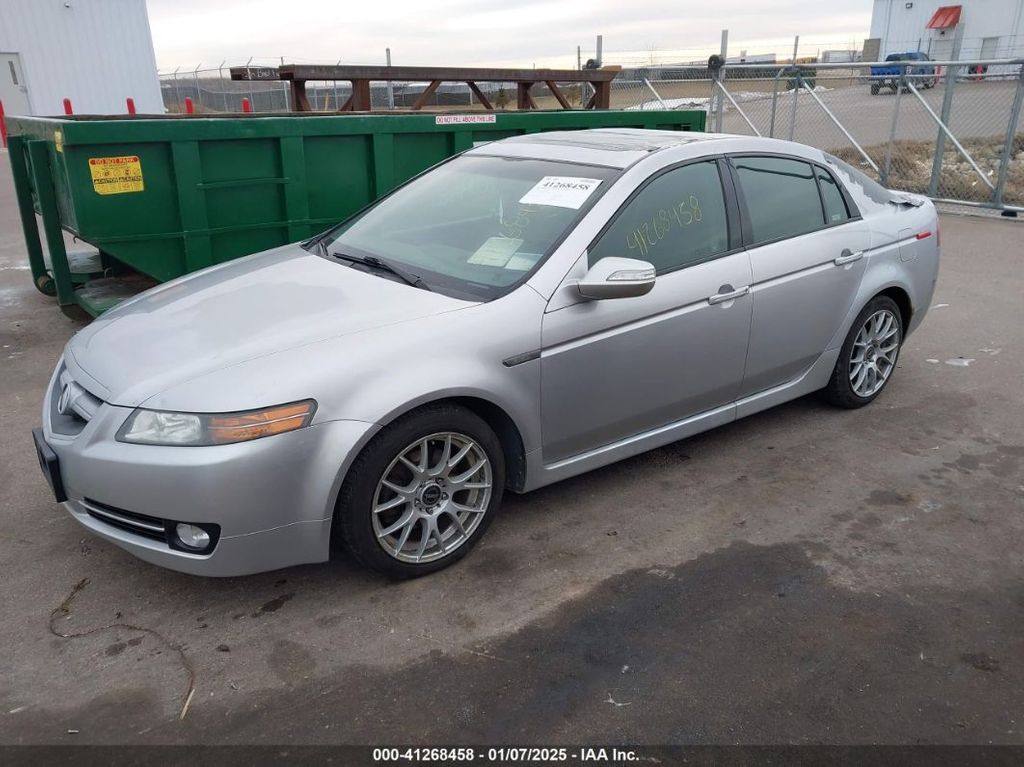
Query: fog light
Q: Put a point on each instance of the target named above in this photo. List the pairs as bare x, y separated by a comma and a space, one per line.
192, 537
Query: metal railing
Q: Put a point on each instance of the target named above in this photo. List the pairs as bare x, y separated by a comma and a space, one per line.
212, 90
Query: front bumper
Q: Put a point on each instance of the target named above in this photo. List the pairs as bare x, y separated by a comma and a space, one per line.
272, 498
291, 544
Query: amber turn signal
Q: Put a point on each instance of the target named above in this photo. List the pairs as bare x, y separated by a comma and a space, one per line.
259, 423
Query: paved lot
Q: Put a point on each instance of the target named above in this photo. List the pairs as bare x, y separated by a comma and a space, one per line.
805, 575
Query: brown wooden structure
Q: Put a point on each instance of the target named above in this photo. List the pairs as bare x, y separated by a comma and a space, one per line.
362, 76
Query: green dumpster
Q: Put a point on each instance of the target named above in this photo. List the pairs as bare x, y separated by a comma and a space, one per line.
158, 197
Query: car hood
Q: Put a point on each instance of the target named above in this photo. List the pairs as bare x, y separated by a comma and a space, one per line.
253, 307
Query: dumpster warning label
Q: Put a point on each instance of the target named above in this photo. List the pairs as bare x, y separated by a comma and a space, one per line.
464, 119
116, 175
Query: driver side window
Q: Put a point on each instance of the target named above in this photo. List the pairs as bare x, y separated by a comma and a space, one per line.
675, 221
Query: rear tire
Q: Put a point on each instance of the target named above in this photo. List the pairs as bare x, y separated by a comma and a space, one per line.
412, 502
868, 356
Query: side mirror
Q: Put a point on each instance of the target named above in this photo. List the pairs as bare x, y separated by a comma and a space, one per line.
615, 277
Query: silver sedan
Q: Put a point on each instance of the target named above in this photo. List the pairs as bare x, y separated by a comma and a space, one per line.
532, 309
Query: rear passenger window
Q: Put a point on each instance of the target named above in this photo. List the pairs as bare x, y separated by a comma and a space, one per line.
678, 219
781, 195
832, 197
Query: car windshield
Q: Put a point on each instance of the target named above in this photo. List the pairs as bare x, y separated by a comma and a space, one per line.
474, 227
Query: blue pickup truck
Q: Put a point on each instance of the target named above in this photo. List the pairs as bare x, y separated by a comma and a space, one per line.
912, 63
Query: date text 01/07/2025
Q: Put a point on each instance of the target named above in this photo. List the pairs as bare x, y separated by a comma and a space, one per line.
505, 754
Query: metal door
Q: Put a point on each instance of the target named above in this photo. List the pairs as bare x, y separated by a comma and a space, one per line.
805, 275
616, 368
13, 92
802, 291
941, 49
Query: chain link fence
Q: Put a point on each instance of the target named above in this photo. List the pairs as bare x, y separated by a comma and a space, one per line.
951, 130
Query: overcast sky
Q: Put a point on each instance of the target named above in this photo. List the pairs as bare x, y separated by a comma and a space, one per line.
187, 33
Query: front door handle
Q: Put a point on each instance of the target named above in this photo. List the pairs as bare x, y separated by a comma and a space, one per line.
848, 257
721, 298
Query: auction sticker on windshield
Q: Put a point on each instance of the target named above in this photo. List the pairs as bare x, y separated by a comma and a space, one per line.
561, 191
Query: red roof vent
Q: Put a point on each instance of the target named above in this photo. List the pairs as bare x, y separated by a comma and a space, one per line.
946, 17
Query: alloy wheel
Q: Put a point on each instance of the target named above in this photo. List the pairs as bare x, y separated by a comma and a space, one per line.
874, 353
432, 497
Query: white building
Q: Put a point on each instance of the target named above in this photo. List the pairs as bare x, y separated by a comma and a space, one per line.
989, 28
95, 52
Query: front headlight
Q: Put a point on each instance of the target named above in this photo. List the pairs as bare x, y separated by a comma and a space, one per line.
160, 427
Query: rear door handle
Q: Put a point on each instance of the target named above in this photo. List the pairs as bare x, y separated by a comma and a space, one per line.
848, 257
721, 298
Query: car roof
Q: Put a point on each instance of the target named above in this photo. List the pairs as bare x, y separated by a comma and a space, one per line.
621, 147
610, 147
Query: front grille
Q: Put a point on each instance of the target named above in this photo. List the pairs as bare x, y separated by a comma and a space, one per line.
71, 406
81, 403
140, 524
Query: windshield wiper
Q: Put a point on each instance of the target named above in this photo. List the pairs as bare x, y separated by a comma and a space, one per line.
375, 263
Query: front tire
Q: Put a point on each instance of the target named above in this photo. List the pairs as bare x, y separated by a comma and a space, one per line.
422, 492
868, 357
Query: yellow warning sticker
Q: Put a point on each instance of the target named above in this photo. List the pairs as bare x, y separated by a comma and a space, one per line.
116, 175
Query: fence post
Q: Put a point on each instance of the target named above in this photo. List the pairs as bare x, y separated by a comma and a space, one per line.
775, 101
579, 68
798, 84
248, 76
1011, 134
901, 84
947, 107
391, 85
719, 76
195, 79
223, 88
